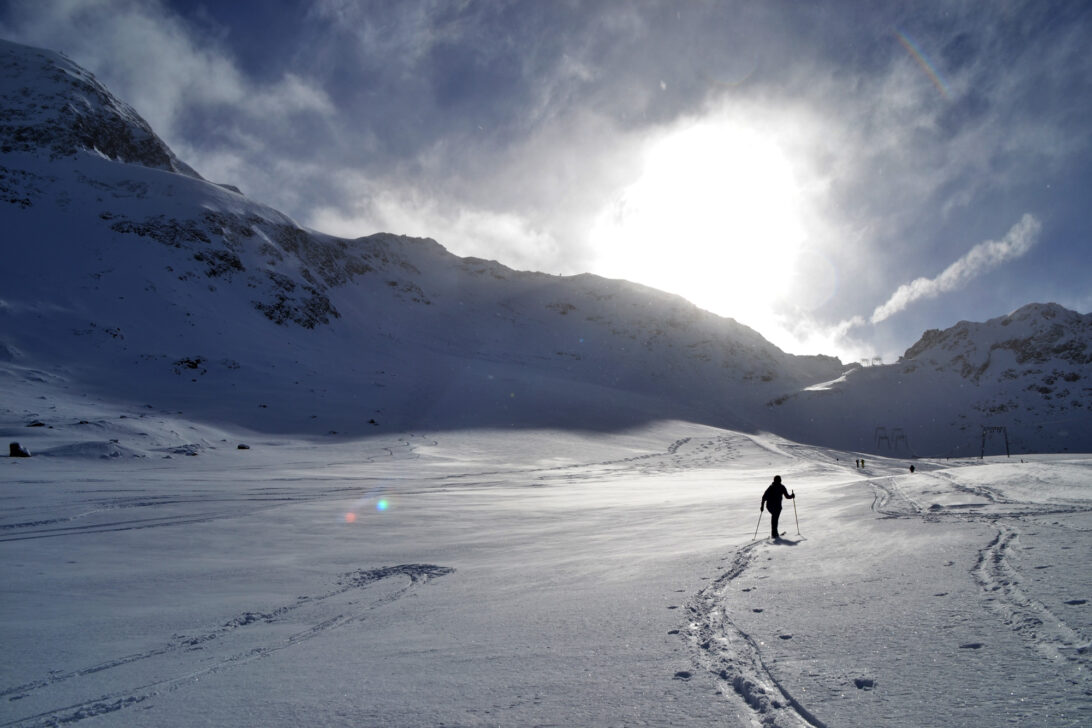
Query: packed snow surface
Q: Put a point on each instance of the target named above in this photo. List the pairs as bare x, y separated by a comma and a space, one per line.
533, 577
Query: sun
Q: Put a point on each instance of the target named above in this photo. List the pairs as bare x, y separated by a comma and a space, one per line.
716, 216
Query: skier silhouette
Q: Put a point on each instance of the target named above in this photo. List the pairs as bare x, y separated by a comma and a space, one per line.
771, 500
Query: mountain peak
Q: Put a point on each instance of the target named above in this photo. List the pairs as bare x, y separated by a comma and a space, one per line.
1039, 312
1036, 331
49, 104
183, 294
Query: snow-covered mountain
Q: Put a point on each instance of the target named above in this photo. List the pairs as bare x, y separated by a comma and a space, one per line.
133, 277
1024, 379
129, 278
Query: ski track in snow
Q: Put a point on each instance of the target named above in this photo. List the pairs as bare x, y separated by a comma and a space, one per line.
246, 637
717, 645
722, 649
1004, 587
1029, 617
255, 634
100, 520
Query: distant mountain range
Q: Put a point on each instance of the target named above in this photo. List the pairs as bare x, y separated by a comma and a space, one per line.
127, 277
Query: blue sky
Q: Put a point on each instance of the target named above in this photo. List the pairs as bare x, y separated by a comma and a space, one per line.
840, 176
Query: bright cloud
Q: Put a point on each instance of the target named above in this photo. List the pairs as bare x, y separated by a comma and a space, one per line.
716, 150
716, 215
981, 258
472, 232
157, 64
803, 334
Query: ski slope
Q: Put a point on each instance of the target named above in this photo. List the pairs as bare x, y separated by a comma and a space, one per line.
514, 578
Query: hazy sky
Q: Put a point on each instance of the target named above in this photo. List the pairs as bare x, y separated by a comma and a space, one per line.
840, 176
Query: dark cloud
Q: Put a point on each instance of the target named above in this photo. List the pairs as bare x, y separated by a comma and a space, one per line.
959, 52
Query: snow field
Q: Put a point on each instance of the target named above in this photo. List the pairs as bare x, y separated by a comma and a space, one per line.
533, 578
930, 619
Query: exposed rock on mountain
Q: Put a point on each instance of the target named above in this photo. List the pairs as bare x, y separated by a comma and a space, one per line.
131, 262
48, 103
1029, 372
129, 277
1033, 335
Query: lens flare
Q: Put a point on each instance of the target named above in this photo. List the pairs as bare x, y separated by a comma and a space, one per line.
362, 505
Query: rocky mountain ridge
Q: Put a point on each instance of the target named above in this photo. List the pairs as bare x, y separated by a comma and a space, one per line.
1033, 335
130, 278
1026, 375
49, 103
131, 263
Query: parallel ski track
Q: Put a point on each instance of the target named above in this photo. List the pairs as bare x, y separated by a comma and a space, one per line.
242, 639
996, 574
248, 641
732, 657
213, 507
1030, 618
683, 453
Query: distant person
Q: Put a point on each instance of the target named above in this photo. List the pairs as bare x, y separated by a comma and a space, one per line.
771, 501
911, 468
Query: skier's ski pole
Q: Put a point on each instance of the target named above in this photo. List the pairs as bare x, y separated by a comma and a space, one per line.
757, 525
793, 514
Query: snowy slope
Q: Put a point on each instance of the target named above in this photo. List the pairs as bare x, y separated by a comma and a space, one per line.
1024, 378
542, 578
138, 280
